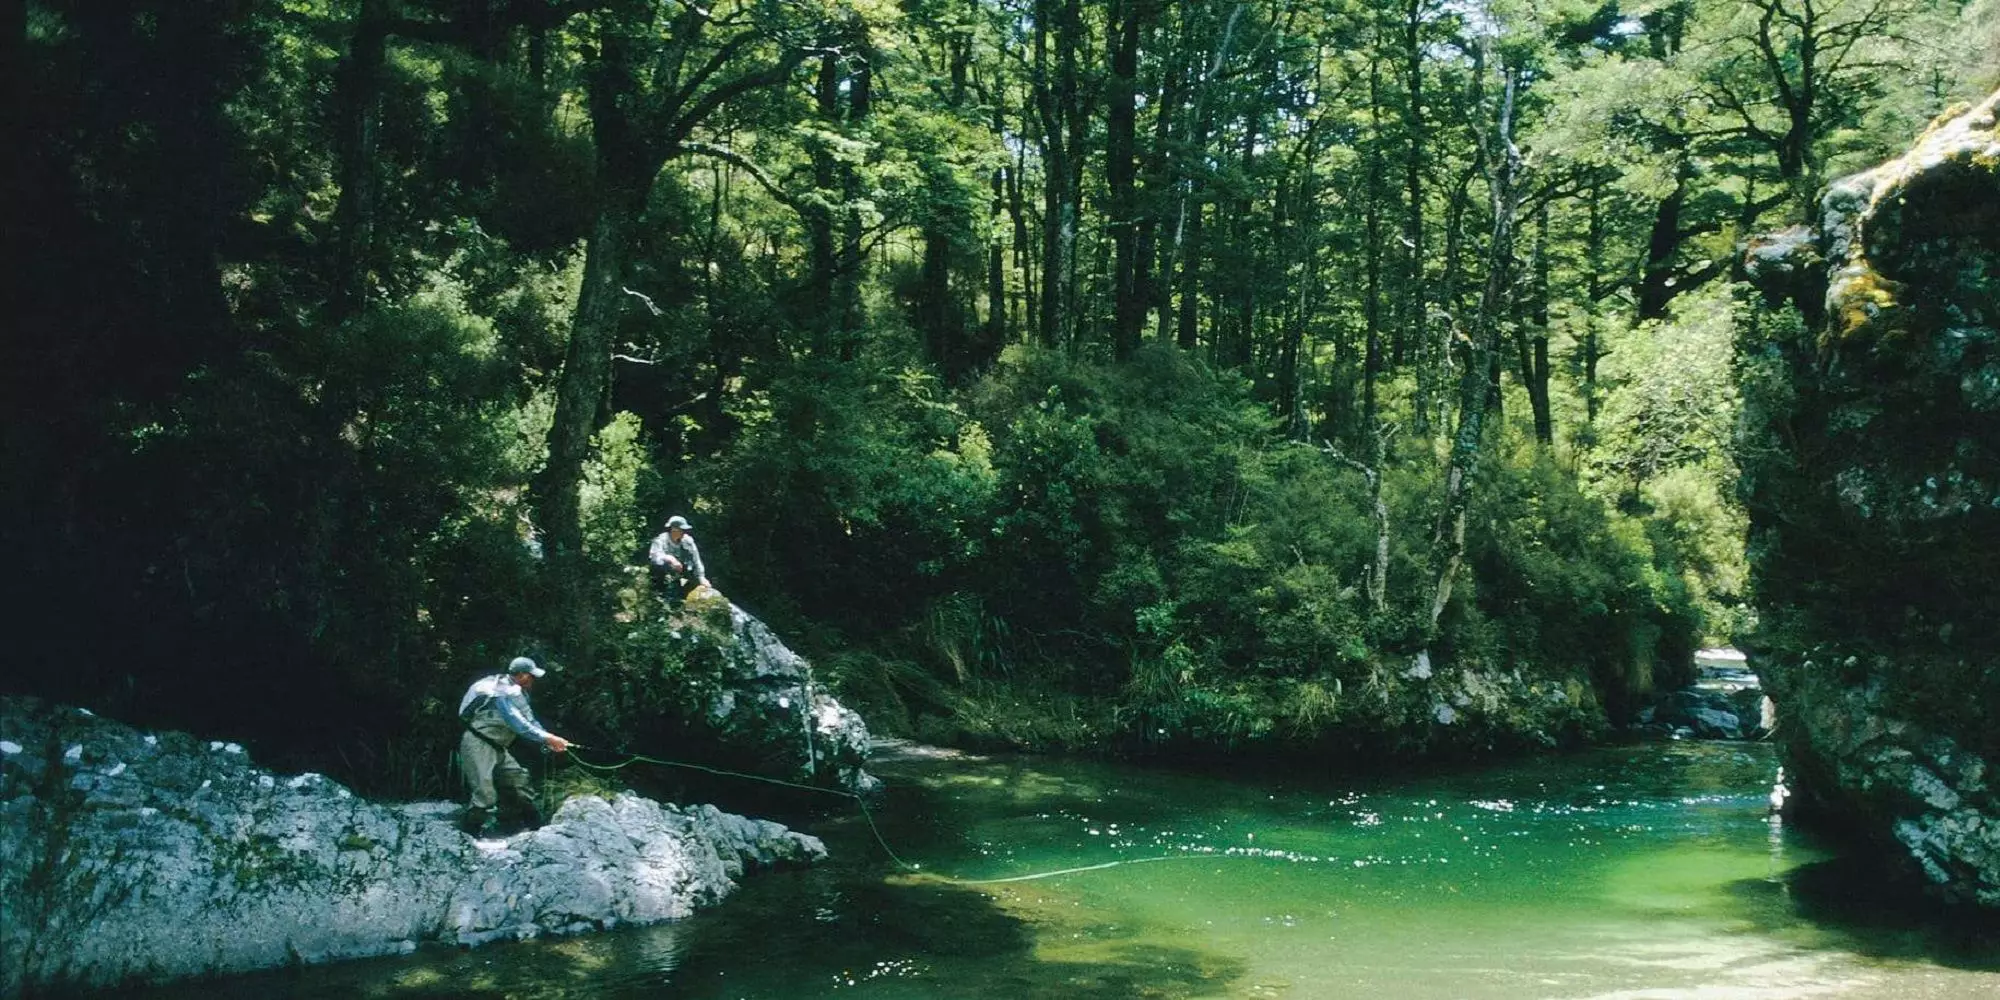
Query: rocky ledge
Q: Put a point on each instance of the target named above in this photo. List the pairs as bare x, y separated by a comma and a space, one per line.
1871, 469
128, 856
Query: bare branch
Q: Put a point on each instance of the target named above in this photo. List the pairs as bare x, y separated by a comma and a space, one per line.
643, 297
748, 166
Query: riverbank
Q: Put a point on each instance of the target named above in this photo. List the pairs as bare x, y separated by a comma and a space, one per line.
129, 856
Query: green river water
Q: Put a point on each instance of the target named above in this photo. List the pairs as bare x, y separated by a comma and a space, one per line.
1643, 871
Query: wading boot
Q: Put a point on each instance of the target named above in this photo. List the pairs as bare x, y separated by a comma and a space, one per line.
478, 822
518, 813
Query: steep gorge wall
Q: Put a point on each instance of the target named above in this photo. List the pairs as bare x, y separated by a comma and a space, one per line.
1871, 461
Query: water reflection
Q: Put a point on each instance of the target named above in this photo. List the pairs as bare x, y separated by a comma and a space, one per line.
1653, 871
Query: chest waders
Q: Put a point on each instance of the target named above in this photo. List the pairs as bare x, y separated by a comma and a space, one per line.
499, 785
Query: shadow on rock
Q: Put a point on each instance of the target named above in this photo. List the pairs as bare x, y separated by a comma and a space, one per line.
1877, 915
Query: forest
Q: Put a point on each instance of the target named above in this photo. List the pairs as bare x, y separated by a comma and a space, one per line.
1127, 375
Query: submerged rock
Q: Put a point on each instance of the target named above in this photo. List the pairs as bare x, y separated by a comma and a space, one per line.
133, 856
1871, 468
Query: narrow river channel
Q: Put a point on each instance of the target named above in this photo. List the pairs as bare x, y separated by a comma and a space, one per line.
1642, 871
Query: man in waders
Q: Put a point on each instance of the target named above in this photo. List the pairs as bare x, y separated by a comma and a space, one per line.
677, 569
495, 712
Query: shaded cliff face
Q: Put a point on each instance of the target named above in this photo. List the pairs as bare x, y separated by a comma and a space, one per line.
1871, 460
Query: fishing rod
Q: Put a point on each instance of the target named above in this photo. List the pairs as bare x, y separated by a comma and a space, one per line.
632, 758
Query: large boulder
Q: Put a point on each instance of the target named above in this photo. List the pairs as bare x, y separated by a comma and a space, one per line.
1871, 459
135, 856
769, 702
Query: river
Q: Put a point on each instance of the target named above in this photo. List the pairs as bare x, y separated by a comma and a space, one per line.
1644, 871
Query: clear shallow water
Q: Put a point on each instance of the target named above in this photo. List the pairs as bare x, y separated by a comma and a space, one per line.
1649, 871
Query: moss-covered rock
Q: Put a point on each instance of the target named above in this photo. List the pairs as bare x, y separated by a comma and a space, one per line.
1871, 460
709, 684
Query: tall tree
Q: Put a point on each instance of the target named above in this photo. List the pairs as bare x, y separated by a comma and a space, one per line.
1502, 162
656, 78
1127, 21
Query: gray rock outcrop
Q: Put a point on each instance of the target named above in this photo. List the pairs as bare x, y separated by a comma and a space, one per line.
1871, 469
710, 685
769, 707
133, 856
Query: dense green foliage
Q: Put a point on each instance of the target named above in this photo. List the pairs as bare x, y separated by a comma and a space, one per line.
1038, 367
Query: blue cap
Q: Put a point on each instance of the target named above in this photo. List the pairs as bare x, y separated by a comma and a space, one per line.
523, 665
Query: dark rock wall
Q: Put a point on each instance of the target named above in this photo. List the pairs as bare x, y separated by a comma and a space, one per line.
1871, 460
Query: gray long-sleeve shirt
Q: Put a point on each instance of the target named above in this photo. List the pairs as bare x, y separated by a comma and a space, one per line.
495, 707
684, 551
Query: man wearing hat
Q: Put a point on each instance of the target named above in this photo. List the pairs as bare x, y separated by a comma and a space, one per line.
677, 568
495, 712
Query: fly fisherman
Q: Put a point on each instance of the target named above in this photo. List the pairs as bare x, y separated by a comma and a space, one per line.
677, 569
495, 712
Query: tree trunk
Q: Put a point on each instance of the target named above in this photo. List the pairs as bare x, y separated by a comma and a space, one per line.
1448, 543
1416, 306
933, 294
1191, 249
1451, 293
1070, 94
1533, 335
1017, 209
1378, 569
580, 398
1594, 293
823, 255
1239, 347
847, 282
1152, 274
1290, 392
996, 268
1056, 102
1656, 277
1371, 305
358, 89
1120, 173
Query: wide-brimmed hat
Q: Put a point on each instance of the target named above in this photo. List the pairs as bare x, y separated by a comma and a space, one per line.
677, 521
